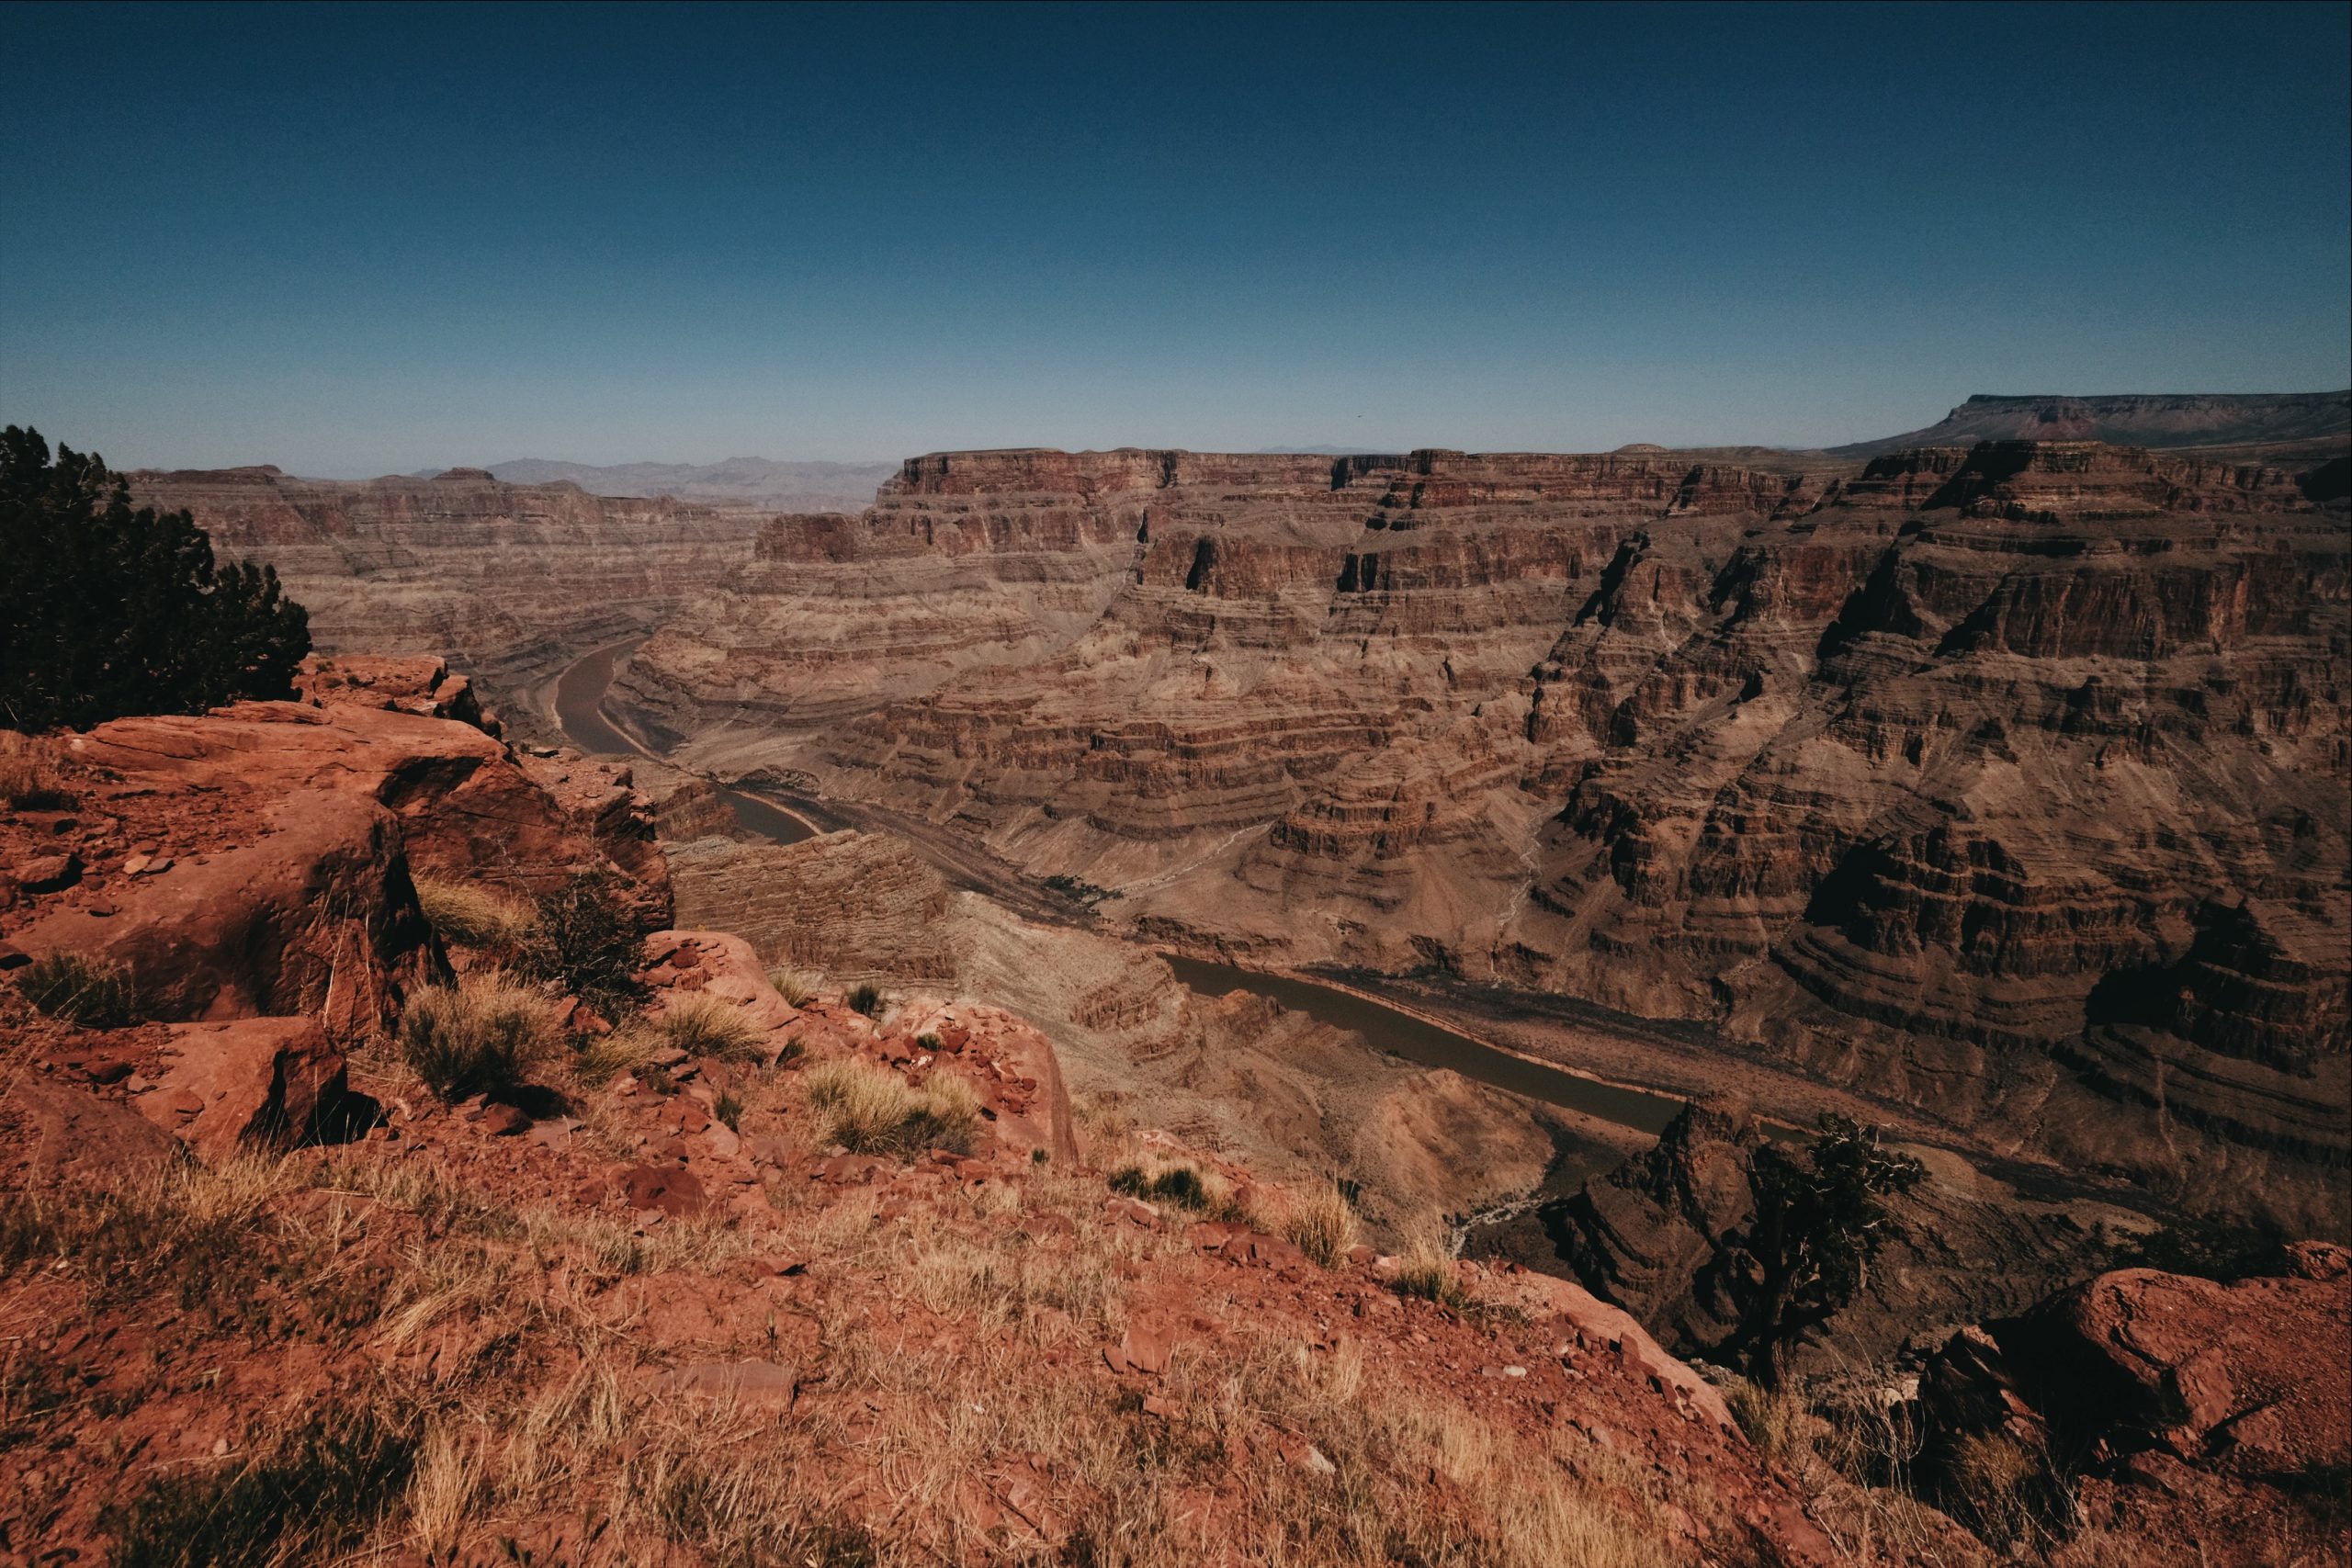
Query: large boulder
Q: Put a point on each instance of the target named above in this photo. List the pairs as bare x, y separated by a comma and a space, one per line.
468, 809
2190, 1411
250, 1083
315, 914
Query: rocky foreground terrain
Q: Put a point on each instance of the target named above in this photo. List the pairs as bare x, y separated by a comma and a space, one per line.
2006, 783
716, 1270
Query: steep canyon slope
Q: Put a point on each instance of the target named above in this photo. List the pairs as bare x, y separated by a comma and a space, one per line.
2008, 781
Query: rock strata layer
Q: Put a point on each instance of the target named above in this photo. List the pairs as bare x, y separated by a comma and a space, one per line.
2008, 782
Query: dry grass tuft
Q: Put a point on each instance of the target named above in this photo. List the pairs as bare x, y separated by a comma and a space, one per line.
712, 1026
1780, 1421
868, 1109
483, 1036
28, 778
1323, 1225
1428, 1268
88, 991
470, 916
1181, 1184
797, 986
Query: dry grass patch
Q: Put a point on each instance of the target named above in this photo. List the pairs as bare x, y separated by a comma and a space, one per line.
712, 1026
868, 1109
797, 987
28, 776
1427, 1267
1180, 1184
471, 916
75, 989
484, 1035
1323, 1225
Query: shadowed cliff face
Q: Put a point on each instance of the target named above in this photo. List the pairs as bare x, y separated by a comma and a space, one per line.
1905, 774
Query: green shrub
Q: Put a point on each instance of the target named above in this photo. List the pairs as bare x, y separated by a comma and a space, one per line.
586, 940
485, 1036
865, 997
107, 611
87, 991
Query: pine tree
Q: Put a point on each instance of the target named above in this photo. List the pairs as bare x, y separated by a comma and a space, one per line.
106, 610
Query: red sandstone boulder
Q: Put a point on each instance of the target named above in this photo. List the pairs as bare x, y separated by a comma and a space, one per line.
467, 809
2249, 1377
2201, 1411
314, 915
251, 1082
1010, 1063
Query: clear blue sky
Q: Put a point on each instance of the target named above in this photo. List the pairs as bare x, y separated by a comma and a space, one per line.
353, 240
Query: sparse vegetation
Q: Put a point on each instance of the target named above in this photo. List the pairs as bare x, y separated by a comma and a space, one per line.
484, 1036
2212, 1250
28, 780
77, 989
865, 997
585, 939
624, 1050
106, 610
470, 916
1426, 1268
712, 1026
870, 1109
1072, 888
1323, 1225
1177, 1182
797, 987
728, 1110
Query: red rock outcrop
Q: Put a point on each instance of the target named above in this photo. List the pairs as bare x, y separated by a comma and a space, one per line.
2184, 1409
257, 862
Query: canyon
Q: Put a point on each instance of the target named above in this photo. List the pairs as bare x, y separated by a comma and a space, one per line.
2000, 785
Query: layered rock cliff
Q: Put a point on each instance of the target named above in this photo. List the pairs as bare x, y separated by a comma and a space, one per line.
2008, 782
511, 580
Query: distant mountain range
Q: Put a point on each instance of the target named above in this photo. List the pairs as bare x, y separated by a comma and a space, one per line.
749, 482
2290, 421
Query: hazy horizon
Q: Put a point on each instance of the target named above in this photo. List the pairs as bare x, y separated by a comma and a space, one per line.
354, 241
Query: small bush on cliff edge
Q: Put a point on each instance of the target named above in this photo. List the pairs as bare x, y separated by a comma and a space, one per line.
106, 610
586, 940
